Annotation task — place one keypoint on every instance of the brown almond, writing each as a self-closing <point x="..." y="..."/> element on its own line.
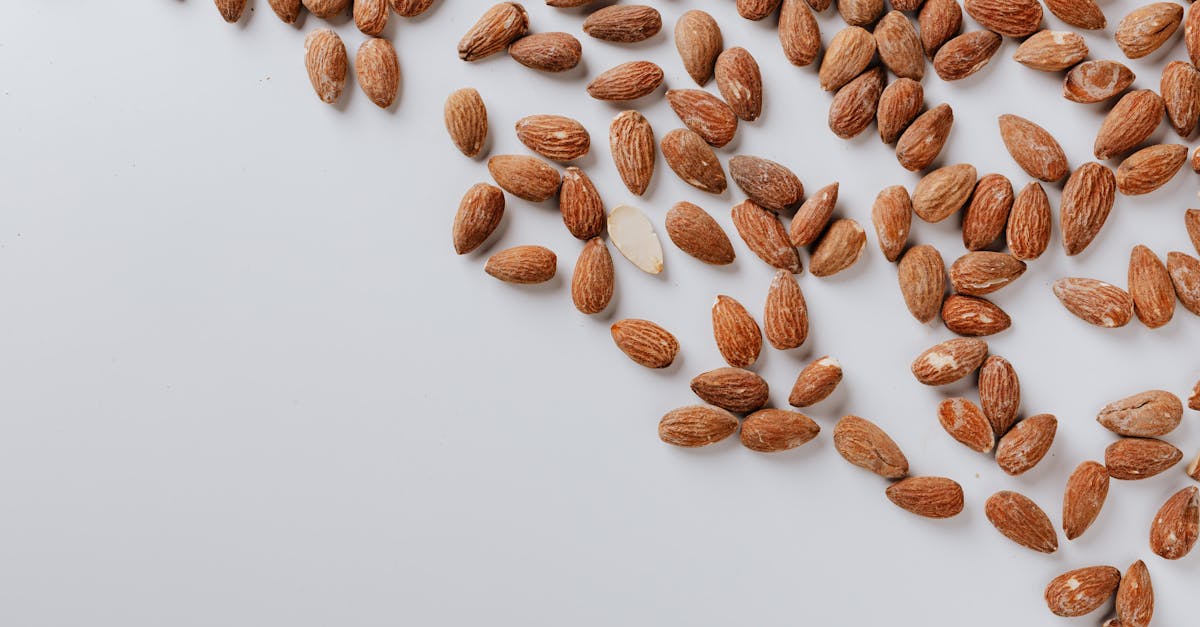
<point x="698" y="40"/>
<point x="466" y="121"/>
<point x="966" y="54"/>
<point x="554" y="137"/>
<point x="892" y="216"/>
<point x="949" y="361"/>
<point x="812" y="216"/>
<point x="999" y="393"/>
<point x="939" y="22"/>
<point x="1191" y="221"/>
<point x="799" y="33"/>
<point x="839" y="249"/>
<point x="899" y="46"/>
<point x="1129" y="123"/>
<point x="1096" y="81"/>
<point x="816" y="382"/>
<point x="705" y="114"/>
<point x="1012" y="18"/>
<point x="942" y="192"/>
<point x="766" y="237"/>
<point x="693" y="160"/>
<point x="645" y="342"/>
<point x="1193" y="469"/>
<point x="1151" y="289"/>
<point x="1174" y="531"/>
<point x="740" y="82"/>
<point x="478" y="215"/>
<point x="860" y="12"/>
<point x="522" y="264"/>
<point x="964" y="421"/>
<point x="737" y="334"/>
<point x="756" y="9"/>
<point x="698" y="234"/>
<point x="774" y="430"/>
<point x="378" y="71"/>
<point x="499" y="26"/>
<point x="623" y="23"/>
<point x="767" y="183"/>
<point x="1185" y="276"/>
<point x="627" y="81"/>
<point x="922" y="276"/>
<point x="906" y="5"/>
<point x="1095" y="302"/>
<point x="580" y="204"/>
<point x="1131" y="459"/>
<point x="371" y="16"/>
<point x="849" y="53"/>
<point x="1087" y="489"/>
<point x="1180" y="89"/>
<point x="1051" y="51"/>
<point x="631" y="140"/>
<point x="931" y="497"/>
<point x="1080" y="13"/>
<point x="1150" y="168"/>
<point x="1026" y="444"/>
<point x="923" y="140"/>
<point x="973" y="317"/>
<point x="987" y="213"/>
<point x="785" y="315"/>
<point x="410" y="8"/>
<point x="326" y="61"/>
<point x="1087" y="199"/>
<point x="982" y="272"/>
<point x="1135" y="596"/>
<point x="732" y="389"/>
<point x="862" y="443"/>
<point x="1081" y="591"/>
<point x="287" y="10"/>
<point x="1022" y="521"/>
<point x="326" y="8"/>
<point x="1028" y="231"/>
<point x="1191" y="33"/>
<point x="547" y="52"/>
<point x="855" y="104"/>
<point x="1147" y="28"/>
<point x="1147" y="414"/>
<point x="567" y="4"/>
<point x="698" y="425"/>
<point x="899" y="104"/>
<point x="525" y="177"/>
<point x="592" y="281"/>
<point x="1033" y="148"/>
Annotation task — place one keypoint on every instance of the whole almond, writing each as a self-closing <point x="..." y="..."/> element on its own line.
<point x="785" y="315"/>
<point x="1033" y="148"/>
<point x="922" y="276"/>
<point x="1174" y="531"/>
<point x="378" y="71"/>
<point x="327" y="64"/>
<point x="982" y="272"/>
<point x="899" y="46"/>
<point x="1150" y="168"/>
<point x="1012" y="18"/>
<point x="580" y="204"/>
<point x="698" y="40"/>
<point x="1151" y="289"/>
<point x="466" y="120"/>
<point x="631" y="140"/>
<point x="548" y="52"/>
<point x="499" y="26"/>
<point x="740" y="82"/>
<point x="1185" y="276"/>
<point x="816" y="382"/>
<point x="623" y="23"/>
<point x="371" y="16"/>
<point x="287" y="10"/>
<point x="1191" y="221"/>
<point x="326" y="8"/>
<point x="899" y="104"/>
<point x="693" y="160"/>
<point x="1028" y="231"/>
<point x="1148" y="414"/>
<point x="737" y="334"/>
<point x="862" y="443"/>
<point x="1191" y="33"/>
<point x="231" y="10"/>
<point x="525" y="177"/>
<point x="987" y="213"/>
<point x="698" y="234"/>
<point x="478" y="215"/>
<point x="756" y="9"/>
<point x="1087" y="489"/>
<point x="1051" y="51"/>
<point x="1180" y="89"/>
<point x="1146" y="28"/>
<point x="705" y="114"/>
<point x="1096" y="81"/>
<point x="999" y="393"/>
<point x="799" y="33"/>
<point x="939" y="22"/>
<point x="633" y="234"/>
<point x="1087" y="200"/>
<point x="892" y="216"/>
<point x="973" y="317"/>
<point x="966" y="54"/>
<point x="627" y="81"/>
<point x="732" y="389"/>
<point x="592" y="281"/>
<point x="1131" y="459"/>
<point x="766" y="237"/>
<point x="1135" y="596"/>
<point x="860" y="12"/>
<point x="567" y="4"/>
<point x="1095" y="302"/>
<point x="1022" y="521"/>
<point x="812" y="216"/>
<point x="522" y="264"/>
<point x="1080" y="13"/>
<point x="849" y="53"/>
<point x="854" y="106"/>
<point x="839" y="249"/>
<point x="1081" y="591"/>
<point x="1026" y="444"/>
<point x="410" y="8"/>
<point x="931" y="497"/>
<point x="964" y="421"/>
<point x="1193" y="469"/>
<point x="774" y="430"/>
<point x="942" y="192"/>
<point x="1129" y="123"/>
<point x="645" y="342"/>
<point x="949" y="361"/>
<point x="554" y="137"/>
<point x="698" y="425"/>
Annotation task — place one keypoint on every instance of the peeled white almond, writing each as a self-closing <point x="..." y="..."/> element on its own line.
<point x="631" y="232"/>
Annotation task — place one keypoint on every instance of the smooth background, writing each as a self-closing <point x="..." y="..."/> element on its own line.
<point x="247" y="382"/>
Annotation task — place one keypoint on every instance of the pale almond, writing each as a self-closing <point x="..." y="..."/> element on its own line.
<point x="633" y="234"/>
<point x="631" y="140"/>
<point x="1086" y="491"/>
<point x="892" y="216"/>
<point x="466" y="121"/>
<point x="1026" y="444"/>
<point x="698" y="40"/>
<point x="1131" y="459"/>
<point x="554" y="137"/>
<point x="623" y="23"/>
<point x="849" y="53"/>
<point x="525" y="177"/>
<point x="231" y="10"/>
<point x="479" y="213"/>
<point x="1051" y="51"/>
<point x="1174" y="531"/>
<point x="1150" y="168"/>
<point x="799" y="33"/>
<point x="705" y="114"/>
<point x="942" y="192"/>
<point x="593" y="278"/>
<point x="816" y="382"/>
<point x="949" y="361"/>
<point x="966" y="54"/>
<point x="410" y="8"/>
<point x="854" y="106"/>
<point x="732" y="389"/>
<point x="1028" y="231"/>
<point x="698" y="234"/>
<point x="523" y="265"/>
<point x="922" y="276"/>
<point x="327" y="63"/>
<point x="899" y="46"/>
<point x="645" y="342"/>
<point x="931" y="497"/>
<point x="987" y="213"/>
<point x="499" y="26"/>
<point x="696" y="426"/>
<point x="1021" y="520"/>
<point x="693" y="160"/>
<point x="1147" y="28"/>
<point x="1150" y="287"/>
<point x="580" y="205"/>
<point x="775" y="430"/>
<point x="287" y="10"/>
<point x="769" y="184"/>
<point x="982" y="272"/>
<point x="1144" y="415"/>
<point x="1134" y="118"/>
<point x="740" y="83"/>
<point x="1191" y="33"/>
<point x="737" y="334"/>
<point x="1033" y="148"/>
<point x="1185" y="276"/>
<point x="1087" y="199"/>
<point x="862" y="443"/>
<point x="1095" y="302"/>
<point x="1081" y="591"/>
<point x="1191" y="222"/>
<point x="766" y="237"/>
<point x="939" y="22"/>
<point x="1096" y="81"/>
<point x="999" y="393"/>
<point x="839" y="249"/>
<point x="899" y="104"/>
<point x="627" y="81"/>
<point x="810" y="219"/>
<point x="973" y="317"/>
<point x="547" y="52"/>
<point x="785" y="315"/>
<point x="964" y="421"/>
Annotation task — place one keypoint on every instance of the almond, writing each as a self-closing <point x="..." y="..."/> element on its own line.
<point x="1193" y="469"/>
<point x="999" y="393"/>
<point x="627" y="81"/>
<point x="774" y="430"/>
<point x="1191" y="34"/>
<point x="1191" y="221"/>
<point x="892" y="216"/>
<point x="939" y="22"/>
<point x="966" y="54"/>
<point x="1012" y="18"/>
<point x="698" y="40"/>
<point x="499" y="26"/>
<point x="478" y="215"/>
<point x="1029" y="223"/>
<point x="547" y="52"/>
<point x="1051" y="51"/>
<point x="1194" y="403"/>
<point x="987" y="213"/>
<point x="922" y="276"/>
<point x="737" y="334"/>
<point x="1135" y="596"/>
<point x="982" y="272"/>
<point x="580" y="204"/>
<point x="860" y="12"/>
<point x="1151" y="289"/>
<point x="973" y="317"/>
<point x="410" y="8"/>
<point x="371" y="16"/>
<point x="1148" y="27"/>
<point x="567" y="4"/>
<point x="931" y="497"/>
<point x="899" y="104"/>
<point x="740" y="82"/>
<point x="1185" y="276"/>
<point x="785" y="315"/>
<point x="732" y="389"/>
<point x="1150" y="168"/>
<point x="1087" y="200"/>
<point x="906" y="5"/>
<point x="525" y="177"/>
<point x="698" y="234"/>
<point x="287" y="10"/>
<point x="327" y="64"/>
<point x="862" y="443"/>
<point x="812" y="216"/>
<point x="767" y="183"/>
<point x="1080" y="13"/>
<point x="841" y="247"/>
<point x="1026" y="444"/>
<point x="231" y="10"/>
<point x="1180" y="89"/>
<point x="466" y="121"/>
<point x="631" y="140"/>
<point x="522" y="264"/>
<point x="856" y="103"/>
<point x="1022" y="521"/>
<point x="756" y="9"/>
<point x="693" y="161"/>
<point x="816" y="382"/>
<point x="799" y="33"/>
<point x="633" y="234"/>
<point x="1096" y="81"/>
<point x="1095" y="302"/>
<point x="1087" y="489"/>
<point x="326" y="8"/>
<point x="592" y="281"/>
<point x="1135" y="117"/>
<point x="899" y="46"/>
<point x="645" y="343"/>
<point x="849" y="53"/>
<point x="942" y="192"/>
<point x="964" y="421"/>
<point x="695" y="426"/>
<point x="1174" y="531"/>
<point x="1081" y="591"/>
<point x="1033" y="148"/>
<point x="766" y="237"/>
<point x="554" y="137"/>
<point x="623" y="23"/>
<point x="949" y="361"/>
<point x="1130" y="459"/>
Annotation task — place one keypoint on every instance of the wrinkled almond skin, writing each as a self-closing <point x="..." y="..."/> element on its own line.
<point x="799" y="33"/>
<point x="923" y="140"/>
<point x="922" y="276"/>
<point x="1150" y="287"/>
<point x="812" y="216"/>
<point x="785" y="315"/>
<point x="860" y="12"/>
<point x="1146" y="28"/>
<point x="756" y="9"/>
<point x="1130" y="459"/>
<point x="1185" y="276"/>
<point x="525" y="177"/>
<point x="1180" y="90"/>
<point x="1087" y="199"/>
<point x="645" y="342"/>
<point x="410" y="8"/>
<point x="966" y="54"/>
<point x="327" y="63"/>
<point x="1081" y="591"/>
<point x="1022" y="521"/>
<point x="931" y="497"/>
<point x="1026" y="444"/>
<point x="1095" y="302"/>
<point x="696" y="426"/>
<point x="862" y="443"/>
<point x="547" y="52"/>
<point x="982" y="272"/>
<point x="939" y="22"/>
<point x="499" y="26"/>
<point x="855" y="104"/>
<point x="740" y="82"/>
<point x="698" y="234"/>
<point x="774" y="430"/>
<point x="631" y="140"/>
<point x="949" y="361"/>
<point x="892" y="216"/>
<point x="1080" y="13"/>
<point x="769" y="184"/>
<point x="849" y="53"/>
<point x="580" y="204"/>
<point x="1191" y="221"/>
<point x="1033" y="148"/>
<point x="1012" y="18"/>
<point x="1135" y="596"/>
<point x="1028" y="231"/>
<point x="627" y="81"/>
<point x="766" y="237"/>
<point x="523" y="265"/>
<point x="733" y="389"/>
<point x="999" y="393"/>
<point x="705" y="114"/>
<point x="554" y="137"/>
<point x="1144" y="415"/>
<point x="1086" y="491"/>
<point x="1096" y="81"/>
<point x="593" y="278"/>
<point x="287" y="10"/>
<point x="987" y="213"/>
<point x="942" y="192"/>
<point x="1150" y="168"/>
<point x="737" y="334"/>
<point x="1193" y="469"/>
<point x="693" y="160"/>
<point x="1174" y="531"/>
<point x="973" y="317"/>
<point x="371" y="16"/>
<point x="698" y="40"/>
<point x="623" y="23"/>
<point x="231" y="10"/>
<point x="965" y="422"/>
<point x="839" y="249"/>
<point x="816" y="382"/>
<point x="899" y="46"/>
<point x="326" y="8"/>
<point x="466" y="121"/>
<point x="378" y="71"/>
<point x="1051" y="51"/>
<point x="899" y="104"/>
<point x="478" y="215"/>
<point x="1134" y="118"/>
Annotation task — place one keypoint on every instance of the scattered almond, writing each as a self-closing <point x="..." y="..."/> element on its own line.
<point x="1148" y="414"/>
<point x="1087" y="199"/>
<point x="982" y="272"/>
<point x="892" y="216"/>
<point x="1096" y="81"/>
<point x="1150" y="168"/>
<point x="860" y="12"/>
<point x="633" y="234"/>
<point x="1026" y="444"/>
<point x="740" y="82"/>
<point x="326" y="8"/>
<point x="522" y="264"/>
<point x="1033" y="148"/>
<point x="964" y="421"/>
<point x="698" y="40"/>
<point x="987" y="213"/>
<point x="548" y="52"/>
<point x="862" y="443"/>
<point x="623" y="23"/>
<point x="287" y="10"/>
<point x="645" y="342"/>
<point x="1185" y="276"/>
<point x="592" y="281"/>
<point x="732" y="389"/>
<point x="816" y="382"/>
<point x="1081" y="13"/>
<point x="966" y="54"/>
<point x="1082" y="591"/>
<point x="1131" y="459"/>
<point x="705" y="114"/>
<point x="1193" y="469"/>
<point x="812" y="216"/>
<point x="478" y="215"/>
<point x="737" y="334"/>
<point x="1022" y="521"/>
<point x="973" y="317"/>
<point x="1174" y="531"/>
<point x="839" y="249"/>
<point x="378" y="70"/>
<point x="698" y="234"/>
<point x="1029" y="223"/>
<point x="922" y="276"/>
<point x="1087" y="489"/>
<point x="371" y="16"/>
<point x="1135" y="596"/>
<point x="767" y="183"/>
<point x="627" y="81"/>
<point x="499" y="26"/>
<point x="466" y="121"/>
<point x="785" y="316"/>
<point x="899" y="104"/>
<point x="1051" y="51"/>
<point x="693" y="160"/>
<point x="923" y="140"/>
<point x="999" y="393"/>
<point x="1150" y="287"/>
<point x="695" y="426"/>
<point x="949" y="361"/>
<point x="1180" y="89"/>
<point x="766" y="237"/>
<point x="1129" y="123"/>
<point x="942" y="192"/>
<point x="1148" y="27"/>
<point x="849" y="53"/>
<point x="1191" y="221"/>
<point x="939" y="22"/>
<point x="931" y="497"/>
<point x="554" y="137"/>
<point x="525" y="177"/>
<point x="774" y="430"/>
<point x="631" y="140"/>
<point x="799" y="33"/>
<point x="580" y="204"/>
<point x="855" y="104"/>
<point x="1012" y="18"/>
<point x="327" y="64"/>
<point x="899" y="46"/>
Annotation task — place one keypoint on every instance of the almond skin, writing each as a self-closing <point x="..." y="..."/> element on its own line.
<point x="592" y="281"/>
<point x="1135" y="596"/>
<point x="1022" y="521"/>
<point x="231" y="10"/>
<point x="1191" y="221"/>
<point x="982" y="272"/>
<point x="466" y="121"/>
<point x="774" y="430"/>
<point x="698" y="40"/>
<point x="931" y="497"/>
<point x="812" y="216"/>
<point x="624" y="23"/>
<point x="525" y="177"/>
<point x="841" y="247"/>
<point x="547" y="52"/>
<point x="939" y="22"/>
<point x="740" y="82"/>
<point x="849" y="53"/>
<point x="695" y="426"/>
<point x="1146" y="28"/>
<point x="378" y="71"/>
<point x="756" y="9"/>
<point x="499" y="26"/>
<point x="949" y="361"/>
<point x="1080" y="13"/>
<point x="862" y="443"/>
<point x="987" y="213"/>
<point x="942" y="192"/>
<point x="631" y="140"/>
<point x="705" y="114"/>
<point x="899" y="46"/>
<point x="785" y="315"/>
<point x="698" y="234"/>
<point x="767" y="183"/>
<point x="580" y="204"/>
<point x="799" y="33"/>
<point x="693" y="160"/>
<point x="1150" y="168"/>
<point x="816" y="382"/>
<point x="1193" y="469"/>
<point x="1087" y="489"/>
<point x="1033" y="148"/>
<point x="855" y="105"/>
<point x="1095" y="302"/>
<point x="1096" y="81"/>
<point x="1174" y="531"/>
<point x="478" y="215"/>
<point x="1150" y="287"/>
<point x="645" y="342"/>
<point x="1180" y="89"/>
<point x="554" y="137"/>
<point x="634" y="236"/>
<point x="1185" y="276"/>
<point x="999" y="393"/>
<point x="966" y="54"/>
<point x="1191" y="33"/>
<point x="892" y="216"/>
<point x="523" y="265"/>
<point x="1134" y="118"/>
<point x="326" y="8"/>
<point x="1087" y="199"/>
<point x="1081" y="591"/>
<point x="1012" y="18"/>
<point x="964" y="421"/>
<point x="1051" y="51"/>
<point x="973" y="317"/>
<point x="371" y="16"/>
<point x="922" y="277"/>
<point x="733" y="389"/>
<point x="287" y="10"/>
<point x="860" y="12"/>
<point x="1148" y="414"/>
<point x="1028" y="232"/>
<point x="737" y="334"/>
<point x="1026" y="444"/>
<point x="766" y="237"/>
<point x="410" y="8"/>
<point x="1130" y="459"/>
<point x="899" y="104"/>
<point x="327" y="64"/>
<point x="627" y="81"/>
<point x="923" y="140"/>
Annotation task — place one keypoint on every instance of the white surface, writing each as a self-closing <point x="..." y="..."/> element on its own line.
<point x="247" y="381"/>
